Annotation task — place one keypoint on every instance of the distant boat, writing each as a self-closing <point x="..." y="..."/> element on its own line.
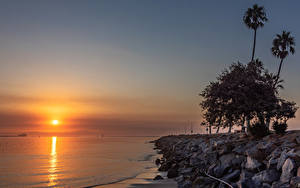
<point x="22" y="135"/>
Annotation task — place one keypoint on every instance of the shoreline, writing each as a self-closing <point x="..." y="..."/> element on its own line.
<point x="237" y="159"/>
<point x="144" y="179"/>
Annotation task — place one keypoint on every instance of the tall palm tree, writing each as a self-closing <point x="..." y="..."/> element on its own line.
<point x="254" y="18"/>
<point x="282" y="45"/>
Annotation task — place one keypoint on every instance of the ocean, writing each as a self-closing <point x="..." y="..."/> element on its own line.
<point x="73" y="161"/>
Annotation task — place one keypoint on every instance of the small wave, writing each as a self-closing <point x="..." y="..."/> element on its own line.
<point x="147" y="157"/>
<point x="113" y="182"/>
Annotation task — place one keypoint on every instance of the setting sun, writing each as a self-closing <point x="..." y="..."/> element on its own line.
<point x="55" y="122"/>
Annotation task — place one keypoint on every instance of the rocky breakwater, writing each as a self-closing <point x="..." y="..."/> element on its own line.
<point x="237" y="159"/>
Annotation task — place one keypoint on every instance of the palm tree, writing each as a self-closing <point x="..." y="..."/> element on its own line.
<point x="282" y="45"/>
<point x="254" y="18"/>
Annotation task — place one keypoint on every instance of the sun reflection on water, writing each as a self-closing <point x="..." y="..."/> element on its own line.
<point x="53" y="159"/>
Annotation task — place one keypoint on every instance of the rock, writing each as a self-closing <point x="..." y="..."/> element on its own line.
<point x="266" y="176"/>
<point x="157" y="161"/>
<point x="202" y="181"/>
<point x="194" y="148"/>
<point x="295" y="182"/>
<point x="266" y="185"/>
<point x="239" y="149"/>
<point x="172" y="173"/>
<point x="276" y="153"/>
<point x="280" y="185"/>
<point x="232" y="176"/>
<point x="297" y="139"/>
<point x="255" y="153"/>
<point x="179" y="179"/>
<point x="195" y="159"/>
<point x="165" y="166"/>
<point x="158" y="177"/>
<point x="252" y="164"/>
<point x="272" y="163"/>
<point x="267" y="147"/>
<point x="186" y="171"/>
<point x="225" y="149"/>
<point x="237" y="161"/>
<point x="226" y="160"/>
<point x="246" y="183"/>
<point x="281" y="159"/>
<point x="287" y="170"/>
<point x="246" y="174"/>
<point x="218" y="171"/>
<point x="211" y="157"/>
<point x="288" y="144"/>
<point x="185" y="184"/>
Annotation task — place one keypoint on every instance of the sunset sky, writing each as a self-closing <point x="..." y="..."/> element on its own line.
<point x="127" y="67"/>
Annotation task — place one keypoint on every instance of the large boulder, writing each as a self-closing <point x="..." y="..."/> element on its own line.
<point x="240" y="149"/>
<point x="295" y="182"/>
<point x="266" y="176"/>
<point x="278" y="184"/>
<point x="246" y="183"/>
<point x="266" y="185"/>
<point x="252" y="164"/>
<point x="186" y="171"/>
<point x="281" y="159"/>
<point x="202" y="181"/>
<point x="233" y="176"/>
<point x="288" y="169"/>
<point x="185" y="184"/>
<point x="218" y="171"/>
<point x="226" y="160"/>
<point x="297" y="140"/>
<point x="272" y="163"/>
<point x="172" y="173"/>
<point x="257" y="152"/>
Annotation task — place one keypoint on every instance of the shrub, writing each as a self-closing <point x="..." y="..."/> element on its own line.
<point x="279" y="128"/>
<point x="259" y="130"/>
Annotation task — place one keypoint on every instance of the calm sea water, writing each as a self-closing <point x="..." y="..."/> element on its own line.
<point x="72" y="161"/>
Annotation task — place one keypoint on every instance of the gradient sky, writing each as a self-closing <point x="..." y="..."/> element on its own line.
<point x="127" y="66"/>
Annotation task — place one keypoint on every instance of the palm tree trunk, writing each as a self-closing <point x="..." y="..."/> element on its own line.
<point x="278" y="73"/>
<point x="254" y="43"/>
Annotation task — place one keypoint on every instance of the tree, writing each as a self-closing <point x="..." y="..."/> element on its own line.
<point x="282" y="45"/>
<point x="254" y="18"/>
<point x="241" y="92"/>
<point x="285" y="110"/>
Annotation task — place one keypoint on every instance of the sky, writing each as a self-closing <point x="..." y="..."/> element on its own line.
<point x="127" y="67"/>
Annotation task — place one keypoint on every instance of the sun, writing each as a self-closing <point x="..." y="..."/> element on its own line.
<point x="55" y="122"/>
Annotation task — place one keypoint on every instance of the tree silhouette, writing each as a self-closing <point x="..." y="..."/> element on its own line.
<point x="244" y="92"/>
<point x="282" y="45"/>
<point x="254" y="18"/>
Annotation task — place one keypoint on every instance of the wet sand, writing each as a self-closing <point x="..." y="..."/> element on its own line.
<point x="145" y="180"/>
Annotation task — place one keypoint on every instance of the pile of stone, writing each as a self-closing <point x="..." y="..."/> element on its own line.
<point x="239" y="160"/>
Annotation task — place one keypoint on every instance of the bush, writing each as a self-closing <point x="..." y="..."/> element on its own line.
<point x="279" y="128"/>
<point x="259" y="130"/>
